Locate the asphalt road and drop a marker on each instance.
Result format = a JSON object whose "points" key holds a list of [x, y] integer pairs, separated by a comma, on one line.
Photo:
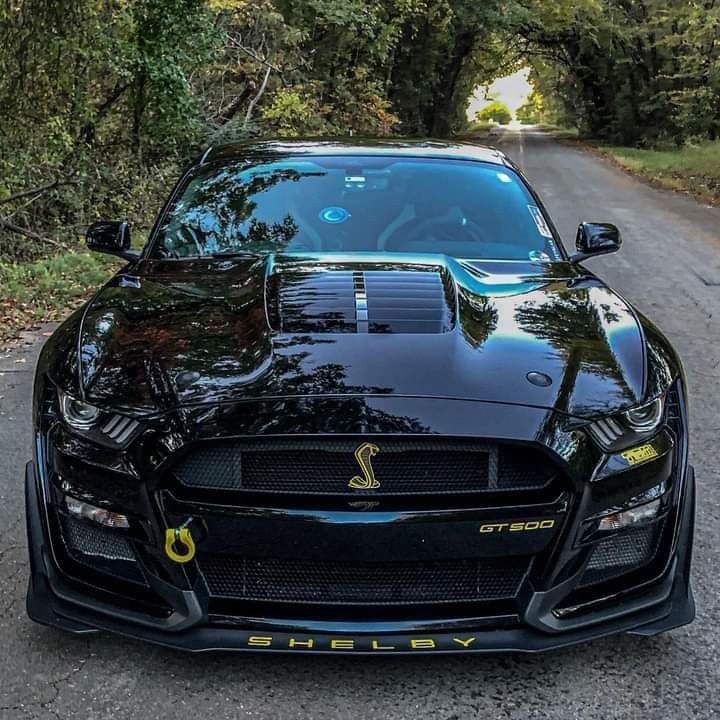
{"points": [[670, 267]]}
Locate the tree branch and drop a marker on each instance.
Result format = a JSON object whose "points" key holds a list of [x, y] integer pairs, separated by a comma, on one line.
{"points": [[87, 131], [254, 101], [226, 113], [238, 46], [29, 234], [38, 190]]}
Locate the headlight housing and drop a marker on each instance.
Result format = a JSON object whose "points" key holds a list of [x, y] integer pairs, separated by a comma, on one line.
{"points": [[617, 432], [646, 418], [77, 413], [101, 426]]}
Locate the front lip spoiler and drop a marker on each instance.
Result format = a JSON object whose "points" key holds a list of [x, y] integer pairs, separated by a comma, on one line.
{"points": [[669, 604]]}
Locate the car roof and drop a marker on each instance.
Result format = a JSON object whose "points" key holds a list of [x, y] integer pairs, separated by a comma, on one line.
{"points": [[394, 147]]}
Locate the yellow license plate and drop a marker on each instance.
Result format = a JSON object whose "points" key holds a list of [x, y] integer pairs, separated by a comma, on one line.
{"points": [[639, 454]]}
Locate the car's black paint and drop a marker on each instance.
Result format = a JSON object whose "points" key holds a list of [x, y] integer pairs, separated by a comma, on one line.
{"points": [[52, 602], [194, 350], [112, 238], [190, 332], [596, 239]]}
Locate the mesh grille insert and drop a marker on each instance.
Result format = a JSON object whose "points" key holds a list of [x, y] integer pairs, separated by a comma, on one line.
{"points": [[99, 549], [627, 551], [325, 467], [290, 581], [82, 539]]}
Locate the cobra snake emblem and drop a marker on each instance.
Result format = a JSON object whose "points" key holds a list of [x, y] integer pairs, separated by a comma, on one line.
{"points": [[364, 455]]}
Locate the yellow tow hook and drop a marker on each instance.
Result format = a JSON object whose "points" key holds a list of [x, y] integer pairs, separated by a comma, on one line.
{"points": [[180, 539]]}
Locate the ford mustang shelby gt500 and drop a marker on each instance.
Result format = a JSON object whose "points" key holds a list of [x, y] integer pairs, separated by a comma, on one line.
{"points": [[359, 398]]}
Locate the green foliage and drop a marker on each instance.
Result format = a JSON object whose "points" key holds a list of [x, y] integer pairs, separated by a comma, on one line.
{"points": [[494, 112], [292, 113], [694, 168], [448, 48], [116, 95], [43, 290], [641, 72], [533, 111], [112, 97]]}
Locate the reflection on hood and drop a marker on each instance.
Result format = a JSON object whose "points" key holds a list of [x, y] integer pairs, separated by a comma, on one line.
{"points": [[287, 326]]}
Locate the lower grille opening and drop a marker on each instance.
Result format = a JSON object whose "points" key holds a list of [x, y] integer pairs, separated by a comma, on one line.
{"points": [[328, 583], [82, 567], [624, 553], [100, 549]]}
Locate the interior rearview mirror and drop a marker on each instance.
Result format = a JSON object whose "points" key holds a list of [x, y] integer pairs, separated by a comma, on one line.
{"points": [[110, 237], [596, 239]]}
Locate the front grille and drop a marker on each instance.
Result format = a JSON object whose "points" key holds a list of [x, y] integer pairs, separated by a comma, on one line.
{"points": [[400, 467], [399, 583], [623, 553]]}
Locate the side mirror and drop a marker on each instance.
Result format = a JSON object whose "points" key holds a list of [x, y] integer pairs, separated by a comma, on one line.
{"points": [[112, 238], [596, 239]]}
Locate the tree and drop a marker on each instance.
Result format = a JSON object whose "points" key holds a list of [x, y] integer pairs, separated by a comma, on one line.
{"points": [[532, 112], [103, 101], [646, 71], [494, 112]]}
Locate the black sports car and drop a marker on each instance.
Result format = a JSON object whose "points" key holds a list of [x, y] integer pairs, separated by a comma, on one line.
{"points": [[359, 398]]}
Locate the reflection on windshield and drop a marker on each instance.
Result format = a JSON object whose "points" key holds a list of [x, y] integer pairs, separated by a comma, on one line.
{"points": [[353, 204]]}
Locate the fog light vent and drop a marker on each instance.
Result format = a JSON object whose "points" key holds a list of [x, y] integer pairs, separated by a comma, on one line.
{"points": [[82, 539], [623, 553], [100, 549]]}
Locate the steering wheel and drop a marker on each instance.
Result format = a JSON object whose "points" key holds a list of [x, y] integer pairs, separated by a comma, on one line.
{"points": [[445, 228]]}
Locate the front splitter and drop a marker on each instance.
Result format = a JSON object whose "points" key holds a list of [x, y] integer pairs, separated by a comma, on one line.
{"points": [[667, 605]]}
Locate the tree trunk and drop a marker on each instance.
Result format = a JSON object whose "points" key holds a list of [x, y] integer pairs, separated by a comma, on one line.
{"points": [[443, 109], [139, 103]]}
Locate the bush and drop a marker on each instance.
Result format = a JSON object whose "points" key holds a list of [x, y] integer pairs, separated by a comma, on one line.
{"points": [[494, 112]]}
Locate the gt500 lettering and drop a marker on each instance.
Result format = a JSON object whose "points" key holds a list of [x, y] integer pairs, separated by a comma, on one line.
{"points": [[527, 526]]}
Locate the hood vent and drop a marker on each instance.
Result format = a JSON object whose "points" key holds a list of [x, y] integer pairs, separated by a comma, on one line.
{"points": [[371, 301]]}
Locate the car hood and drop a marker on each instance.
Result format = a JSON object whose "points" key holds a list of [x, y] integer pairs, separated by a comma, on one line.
{"points": [[177, 333]]}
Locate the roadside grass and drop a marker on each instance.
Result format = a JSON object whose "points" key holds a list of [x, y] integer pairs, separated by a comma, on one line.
{"points": [[694, 169], [474, 131], [47, 289], [559, 132], [476, 126]]}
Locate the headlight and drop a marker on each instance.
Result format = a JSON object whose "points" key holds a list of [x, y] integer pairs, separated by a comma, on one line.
{"points": [[101, 426], [78, 414], [647, 417], [623, 430]]}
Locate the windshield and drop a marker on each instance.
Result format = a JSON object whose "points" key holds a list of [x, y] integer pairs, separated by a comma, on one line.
{"points": [[343, 204]]}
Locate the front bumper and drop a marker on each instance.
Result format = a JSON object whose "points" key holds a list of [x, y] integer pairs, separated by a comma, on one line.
{"points": [[665, 604]]}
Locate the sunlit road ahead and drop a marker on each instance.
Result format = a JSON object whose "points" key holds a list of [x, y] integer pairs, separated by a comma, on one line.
{"points": [[670, 267]]}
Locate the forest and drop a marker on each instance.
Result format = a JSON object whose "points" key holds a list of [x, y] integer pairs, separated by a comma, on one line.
{"points": [[103, 101]]}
